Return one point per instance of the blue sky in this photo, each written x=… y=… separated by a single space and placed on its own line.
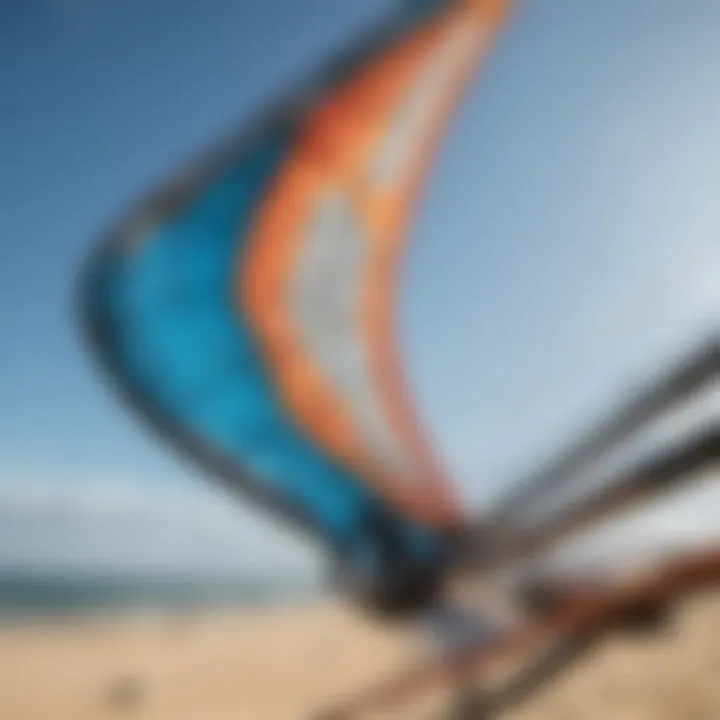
x=568 y=241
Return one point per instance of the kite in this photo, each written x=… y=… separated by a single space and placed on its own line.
x=245 y=311
x=247 y=308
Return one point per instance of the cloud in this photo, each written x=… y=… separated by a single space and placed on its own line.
x=113 y=525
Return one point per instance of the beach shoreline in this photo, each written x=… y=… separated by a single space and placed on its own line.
x=287 y=662
x=280 y=662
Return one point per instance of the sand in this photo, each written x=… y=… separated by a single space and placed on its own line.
x=265 y=664
x=283 y=664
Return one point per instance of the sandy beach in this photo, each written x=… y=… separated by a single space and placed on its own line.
x=265 y=664
x=285 y=663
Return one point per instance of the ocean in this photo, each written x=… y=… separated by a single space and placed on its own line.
x=32 y=594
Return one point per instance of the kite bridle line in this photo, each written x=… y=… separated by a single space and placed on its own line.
x=691 y=376
x=575 y=622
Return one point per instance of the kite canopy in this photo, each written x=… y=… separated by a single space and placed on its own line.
x=246 y=309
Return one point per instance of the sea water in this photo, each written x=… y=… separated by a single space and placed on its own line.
x=30 y=593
